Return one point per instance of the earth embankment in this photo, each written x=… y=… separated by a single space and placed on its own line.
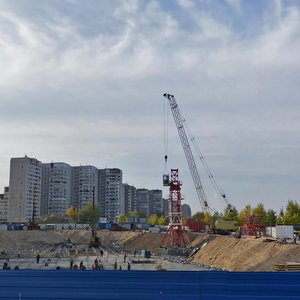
x=223 y=252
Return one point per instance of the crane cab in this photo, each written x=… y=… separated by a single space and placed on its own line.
x=166 y=180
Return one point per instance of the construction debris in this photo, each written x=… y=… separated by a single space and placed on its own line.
x=287 y=267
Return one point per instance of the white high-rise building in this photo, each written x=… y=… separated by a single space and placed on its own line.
x=4 y=205
x=110 y=189
x=149 y=201
x=155 y=202
x=186 y=210
x=143 y=201
x=128 y=199
x=84 y=186
x=56 y=188
x=24 y=189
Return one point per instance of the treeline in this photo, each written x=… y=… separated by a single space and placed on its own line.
x=288 y=215
x=154 y=219
x=86 y=215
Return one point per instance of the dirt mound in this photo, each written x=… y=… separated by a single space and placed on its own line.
x=56 y=219
x=245 y=254
x=151 y=241
x=222 y=252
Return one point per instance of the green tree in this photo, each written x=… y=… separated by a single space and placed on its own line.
x=208 y=218
x=137 y=214
x=122 y=218
x=260 y=211
x=271 y=218
x=72 y=213
x=87 y=215
x=152 y=220
x=230 y=213
x=292 y=213
x=134 y=214
x=280 y=219
x=142 y=214
x=162 y=220
x=199 y=216
x=246 y=212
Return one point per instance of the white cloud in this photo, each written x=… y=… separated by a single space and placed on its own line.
x=77 y=92
x=187 y=4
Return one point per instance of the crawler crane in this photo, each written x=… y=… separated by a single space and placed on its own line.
x=181 y=128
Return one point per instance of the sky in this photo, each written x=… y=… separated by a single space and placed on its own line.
x=83 y=81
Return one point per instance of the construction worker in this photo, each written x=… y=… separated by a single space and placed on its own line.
x=71 y=263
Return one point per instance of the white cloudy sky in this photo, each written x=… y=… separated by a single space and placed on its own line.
x=82 y=82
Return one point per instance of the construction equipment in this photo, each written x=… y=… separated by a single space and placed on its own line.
x=181 y=128
x=226 y=226
x=175 y=237
x=95 y=240
x=32 y=225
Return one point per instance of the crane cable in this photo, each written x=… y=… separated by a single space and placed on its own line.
x=166 y=133
x=202 y=159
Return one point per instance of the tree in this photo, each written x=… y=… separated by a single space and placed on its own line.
x=208 y=219
x=152 y=220
x=292 y=213
x=271 y=218
x=122 y=218
x=246 y=212
x=230 y=213
x=137 y=214
x=280 y=219
x=72 y=213
x=199 y=216
x=162 y=220
x=86 y=214
x=260 y=211
x=142 y=214
x=185 y=220
x=134 y=214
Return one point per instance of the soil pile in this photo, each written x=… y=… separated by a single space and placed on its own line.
x=246 y=254
x=223 y=252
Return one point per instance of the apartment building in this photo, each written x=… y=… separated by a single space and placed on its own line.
x=39 y=189
x=186 y=210
x=128 y=201
x=155 y=202
x=84 y=186
x=24 y=189
x=149 y=201
x=4 y=205
x=142 y=201
x=109 y=193
x=56 y=188
x=165 y=206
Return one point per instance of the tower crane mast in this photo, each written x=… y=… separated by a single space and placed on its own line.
x=187 y=151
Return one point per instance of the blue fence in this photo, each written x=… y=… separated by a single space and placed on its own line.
x=154 y=285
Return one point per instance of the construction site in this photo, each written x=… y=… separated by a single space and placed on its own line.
x=193 y=246
x=211 y=252
x=184 y=249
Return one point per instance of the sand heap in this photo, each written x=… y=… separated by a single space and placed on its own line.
x=220 y=251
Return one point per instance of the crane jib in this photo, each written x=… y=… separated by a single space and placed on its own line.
x=179 y=122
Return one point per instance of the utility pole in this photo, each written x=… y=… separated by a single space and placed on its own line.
x=93 y=215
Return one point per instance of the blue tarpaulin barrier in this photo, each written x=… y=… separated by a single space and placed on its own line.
x=154 y=285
